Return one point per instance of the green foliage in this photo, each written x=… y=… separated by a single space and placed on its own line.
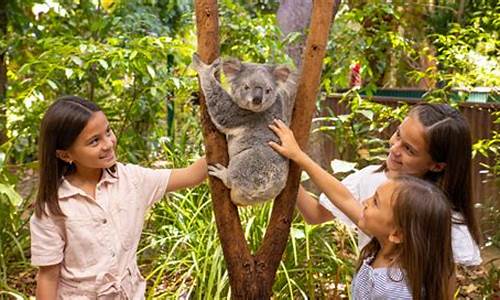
x=467 y=52
x=469 y=56
x=365 y=35
x=249 y=37
x=257 y=7
x=131 y=57
x=491 y=211
x=361 y=135
x=14 y=232
x=134 y=78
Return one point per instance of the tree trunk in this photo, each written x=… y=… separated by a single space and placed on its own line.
x=252 y=276
x=234 y=246
x=419 y=15
x=460 y=13
x=3 y=74
x=270 y=253
x=294 y=16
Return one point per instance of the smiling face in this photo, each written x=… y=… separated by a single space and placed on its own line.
x=377 y=216
x=409 y=154
x=94 y=148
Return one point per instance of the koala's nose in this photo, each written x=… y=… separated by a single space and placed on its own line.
x=257 y=95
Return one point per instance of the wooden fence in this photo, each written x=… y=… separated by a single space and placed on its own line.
x=485 y=187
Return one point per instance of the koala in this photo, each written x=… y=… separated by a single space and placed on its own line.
x=259 y=93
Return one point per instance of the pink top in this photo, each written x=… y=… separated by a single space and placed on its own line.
x=96 y=243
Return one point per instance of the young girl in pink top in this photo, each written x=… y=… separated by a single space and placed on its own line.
x=90 y=209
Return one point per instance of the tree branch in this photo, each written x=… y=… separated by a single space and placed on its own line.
x=252 y=277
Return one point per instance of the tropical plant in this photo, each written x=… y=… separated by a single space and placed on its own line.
x=131 y=57
x=14 y=232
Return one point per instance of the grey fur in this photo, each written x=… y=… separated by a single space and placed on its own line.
x=259 y=94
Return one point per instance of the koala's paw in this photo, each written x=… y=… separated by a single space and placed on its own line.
x=216 y=65
x=197 y=64
x=220 y=172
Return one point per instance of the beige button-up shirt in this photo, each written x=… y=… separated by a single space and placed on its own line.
x=97 y=241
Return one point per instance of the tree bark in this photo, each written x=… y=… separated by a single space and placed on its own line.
x=460 y=13
x=252 y=276
x=234 y=246
x=294 y=16
x=3 y=74
x=270 y=253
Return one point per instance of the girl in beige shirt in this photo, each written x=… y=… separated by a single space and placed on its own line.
x=90 y=209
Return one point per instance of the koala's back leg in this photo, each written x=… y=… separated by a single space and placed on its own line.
x=220 y=172
x=240 y=198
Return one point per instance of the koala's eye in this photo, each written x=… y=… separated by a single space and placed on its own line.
x=268 y=91
x=246 y=87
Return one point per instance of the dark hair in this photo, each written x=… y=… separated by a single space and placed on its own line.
x=423 y=215
x=63 y=121
x=449 y=141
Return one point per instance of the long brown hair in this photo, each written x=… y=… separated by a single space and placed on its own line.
x=63 y=121
x=423 y=216
x=449 y=141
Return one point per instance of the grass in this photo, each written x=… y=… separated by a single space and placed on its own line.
x=181 y=255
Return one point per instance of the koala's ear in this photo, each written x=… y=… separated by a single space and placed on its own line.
x=281 y=72
x=231 y=67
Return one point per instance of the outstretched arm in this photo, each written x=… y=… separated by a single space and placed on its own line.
x=310 y=208
x=189 y=176
x=338 y=194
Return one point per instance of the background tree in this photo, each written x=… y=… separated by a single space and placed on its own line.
x=3 y=70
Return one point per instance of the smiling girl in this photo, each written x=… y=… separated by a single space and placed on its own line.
x=90 y=209
x=409 y=256
x=432 y=143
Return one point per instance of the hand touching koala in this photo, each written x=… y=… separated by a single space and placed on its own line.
x=259 y=94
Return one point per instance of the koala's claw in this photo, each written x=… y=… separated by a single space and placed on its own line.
x=220 y=172
x=214 y=67
x=216 y=64
x=199 y=66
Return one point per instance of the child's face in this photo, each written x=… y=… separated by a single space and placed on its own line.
x=94 y=148
x=409 y=153
x=377 y=216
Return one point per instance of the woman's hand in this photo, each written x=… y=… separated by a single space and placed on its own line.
x=289 y=146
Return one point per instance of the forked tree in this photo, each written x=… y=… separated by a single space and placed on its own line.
x=251 y=276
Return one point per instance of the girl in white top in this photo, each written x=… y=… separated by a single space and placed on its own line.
x=90 y=209
x=433 y=143
x=409 y=256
